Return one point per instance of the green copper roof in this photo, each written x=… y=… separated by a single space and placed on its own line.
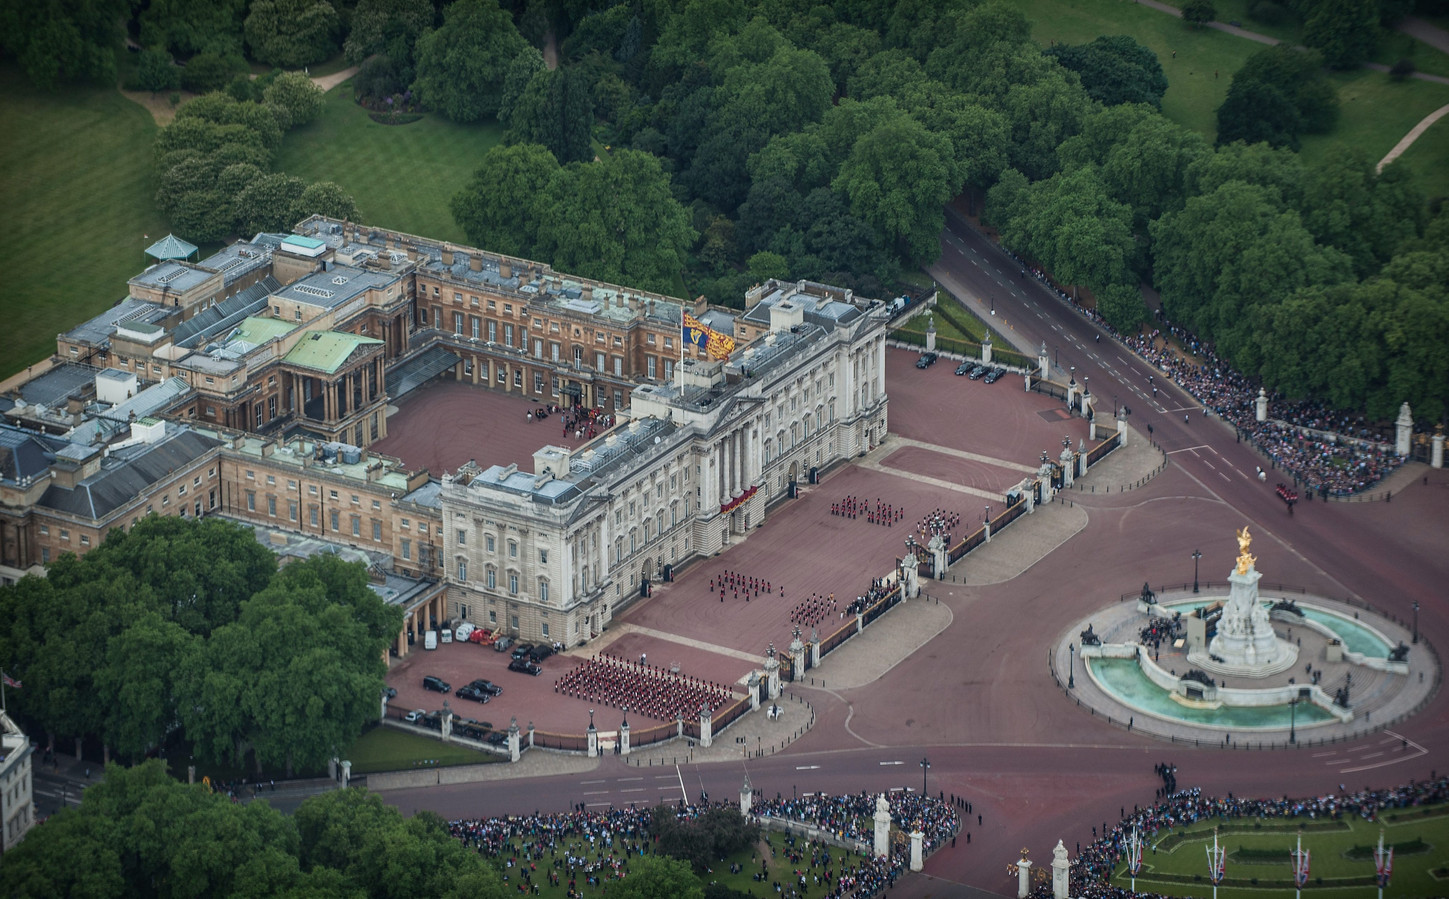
x=327 y=351
x=258 y=330
x=171 y=247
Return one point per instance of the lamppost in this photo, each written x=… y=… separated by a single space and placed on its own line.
x=986 y=515
x=925 y=766
x=1196 y=554
x=1071 y=666
x=1416 y=621
x=1293 y=720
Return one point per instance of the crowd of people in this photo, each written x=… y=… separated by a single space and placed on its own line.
x=1332 y=453
x=742 y=584
x=881 y=513
x=811 y=612
x=640 y=687
x=586 y=849
x=584 y=423
x=1092 y=870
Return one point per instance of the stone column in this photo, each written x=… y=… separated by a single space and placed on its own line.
x=986 y=526
x=624 y=737
x=447 y=723
x=882 y=845
x=513 y=751
x=917 y=838
x=593 y=737
x=1436 y=452
x=772 y=676
x=1043 y=363
x=753 y=685
x=1403 y=430
x=859 y=622
x=1023 y=878
x=530 y=735
x=1061 y=871
x=1122 y=426
x=814 y=648
x=1261 y=405
x=930 y=332
x=1087 y=402
x=747 y=797
x=797 y=652
x=706 y=727
x=986 y=350
x=1068 y=462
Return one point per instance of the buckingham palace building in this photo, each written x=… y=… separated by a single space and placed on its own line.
x=691 y=465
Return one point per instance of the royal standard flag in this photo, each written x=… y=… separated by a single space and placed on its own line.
x=718 y=344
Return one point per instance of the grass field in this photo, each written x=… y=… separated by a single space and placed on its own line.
x=1429 y=158
x=390 y=749
x=1330 y=844
x=75 y=181
x=1375 y=112
x=402 y=176
x=1374 y=115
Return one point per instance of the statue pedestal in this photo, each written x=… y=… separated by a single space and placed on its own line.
x=1245 y=645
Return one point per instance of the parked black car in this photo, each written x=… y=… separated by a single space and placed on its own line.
x=526 y=666
x=926 y=361
x=540 y=652
x=522 y=650
x=978 y=372
x=964 y=367
x=487 y=685
x=497 y=738
x=475 y=693
x=996 y=374
x=437 y=684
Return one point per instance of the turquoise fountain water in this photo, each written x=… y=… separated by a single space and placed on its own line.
x=1125 y=682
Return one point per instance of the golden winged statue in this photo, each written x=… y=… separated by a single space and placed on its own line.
x=1245 y=558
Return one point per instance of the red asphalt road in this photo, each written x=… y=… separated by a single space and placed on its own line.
x=978 y=699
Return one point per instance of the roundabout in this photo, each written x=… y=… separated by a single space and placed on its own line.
x=1244 y=667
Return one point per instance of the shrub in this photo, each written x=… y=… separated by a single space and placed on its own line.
x=207 y=72
x=1198 y=13
x=155 y=72
x=1402 y=69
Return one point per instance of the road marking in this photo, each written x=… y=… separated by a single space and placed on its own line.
x=627 y=779
x=900 y=790
x=596 y=792
x=806 y=767
x=633 y=790
x=681 y=780
x=586 y=782
x=599 y=803
x=892 y=763
x=1209 y=464
x=1373 y=755
x=1189 y=449
x=662 y=777
x=1319 y=755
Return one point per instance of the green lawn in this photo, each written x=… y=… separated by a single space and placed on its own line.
x=1429 y=158
x=390 y=749
x=1329 y=842
x=75 y=183
x=1375 y=112
x=402 y=176
x=1193 y=93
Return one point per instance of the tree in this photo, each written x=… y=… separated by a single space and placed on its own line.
x=268 y=203
x=325 y=198
x=187 y=29
x=1115 y=69
x=555 y=110
x=294 y=99
x=616 y=220
x=387 y=27
x=291 y=33
x=1278 y=94
x=511 y=178
x=1344 y=31
x=1198 y=13
x=898 y=177
x=765 y=265
x=155 y=71
x=462 y=64
x=652 y=877
x=211 y=71
x=63 y=41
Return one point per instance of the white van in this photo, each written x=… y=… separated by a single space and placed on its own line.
x=430 y=640
x=447 y=635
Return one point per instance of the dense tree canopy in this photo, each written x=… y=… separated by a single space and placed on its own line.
x=1279 y=94
x=63 y=41
x=188 y=621
x=1115 y=69
x=461 y=65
